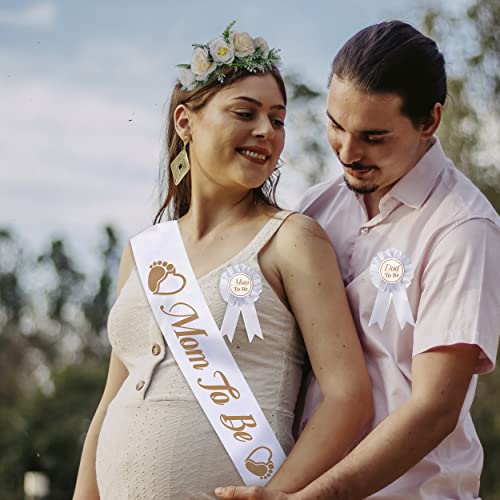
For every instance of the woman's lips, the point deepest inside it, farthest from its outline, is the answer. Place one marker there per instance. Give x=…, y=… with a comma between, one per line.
x=252, y=155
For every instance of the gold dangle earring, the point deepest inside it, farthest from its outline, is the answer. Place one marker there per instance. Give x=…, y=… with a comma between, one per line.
x=180, y=164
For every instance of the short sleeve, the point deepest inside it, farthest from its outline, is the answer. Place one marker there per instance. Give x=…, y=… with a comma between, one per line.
x=460, y=292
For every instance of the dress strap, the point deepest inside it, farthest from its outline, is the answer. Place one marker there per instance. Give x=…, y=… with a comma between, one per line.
x=268, y=231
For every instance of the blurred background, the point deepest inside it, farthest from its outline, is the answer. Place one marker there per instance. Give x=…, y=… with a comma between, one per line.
x=83, y=88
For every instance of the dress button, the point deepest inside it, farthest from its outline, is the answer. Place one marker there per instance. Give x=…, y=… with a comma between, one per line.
x=140, y=385
x=156, y=349
x=364, y=230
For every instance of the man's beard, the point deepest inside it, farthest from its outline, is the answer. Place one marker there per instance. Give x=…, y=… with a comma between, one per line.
x=363, y=189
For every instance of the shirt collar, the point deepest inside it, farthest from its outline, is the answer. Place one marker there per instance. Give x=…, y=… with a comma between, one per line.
x=415, y=186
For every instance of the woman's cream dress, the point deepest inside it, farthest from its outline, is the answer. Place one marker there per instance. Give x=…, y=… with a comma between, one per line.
x=156, y=442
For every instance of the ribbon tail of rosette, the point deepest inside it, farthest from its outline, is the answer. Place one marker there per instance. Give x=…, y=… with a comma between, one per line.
x=380, y=308
x=251, y=320
x=402, y=305
x=230, y=321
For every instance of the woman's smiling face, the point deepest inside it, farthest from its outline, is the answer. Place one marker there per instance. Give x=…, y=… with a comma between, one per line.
x=238, y=136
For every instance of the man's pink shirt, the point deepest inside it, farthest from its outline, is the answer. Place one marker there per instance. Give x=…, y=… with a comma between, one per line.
x=451, y=234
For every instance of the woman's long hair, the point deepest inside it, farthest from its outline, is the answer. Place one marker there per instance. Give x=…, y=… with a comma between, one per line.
x=177, y=199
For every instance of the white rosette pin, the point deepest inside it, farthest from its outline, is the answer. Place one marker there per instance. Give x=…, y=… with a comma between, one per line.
x=240, y=286
x=391, y=273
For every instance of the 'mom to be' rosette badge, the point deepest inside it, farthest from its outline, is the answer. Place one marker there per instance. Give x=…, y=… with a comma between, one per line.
x=240, y=286
x=391, y=273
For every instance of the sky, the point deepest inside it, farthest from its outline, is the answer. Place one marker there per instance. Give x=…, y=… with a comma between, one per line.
x=83, y=89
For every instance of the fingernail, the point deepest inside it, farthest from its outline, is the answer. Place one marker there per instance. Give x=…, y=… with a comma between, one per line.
x=219, y=491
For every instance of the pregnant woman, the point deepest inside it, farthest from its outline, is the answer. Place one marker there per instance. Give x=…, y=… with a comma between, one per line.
x=217, y=306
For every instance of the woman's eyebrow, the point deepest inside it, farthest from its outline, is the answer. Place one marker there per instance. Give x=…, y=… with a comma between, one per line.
x=258, y=103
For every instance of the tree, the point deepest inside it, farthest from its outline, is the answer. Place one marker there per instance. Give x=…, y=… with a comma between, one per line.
x=14, y=335
x=472, y=113
x=53, y=358
x=50, y=430
x=96, y=306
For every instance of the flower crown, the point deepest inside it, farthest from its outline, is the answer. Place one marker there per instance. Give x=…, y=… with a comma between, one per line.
x=233, y=49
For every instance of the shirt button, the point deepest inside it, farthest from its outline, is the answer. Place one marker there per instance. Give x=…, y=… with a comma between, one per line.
x=140, y=385
x=156, y=349
x=364, y=231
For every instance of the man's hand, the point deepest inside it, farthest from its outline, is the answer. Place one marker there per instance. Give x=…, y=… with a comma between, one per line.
x=252, y=493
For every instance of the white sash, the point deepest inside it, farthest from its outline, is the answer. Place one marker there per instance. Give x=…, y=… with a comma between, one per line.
x=205, y=360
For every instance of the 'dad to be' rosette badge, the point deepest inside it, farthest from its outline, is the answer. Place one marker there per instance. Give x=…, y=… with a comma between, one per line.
x=391, y=273
x=240, y=286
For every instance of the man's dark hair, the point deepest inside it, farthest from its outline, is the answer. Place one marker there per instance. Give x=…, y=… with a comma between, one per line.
x=394, y=57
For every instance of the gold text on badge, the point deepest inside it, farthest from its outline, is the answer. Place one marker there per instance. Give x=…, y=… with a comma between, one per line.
x=391, y=270
x=240, y=285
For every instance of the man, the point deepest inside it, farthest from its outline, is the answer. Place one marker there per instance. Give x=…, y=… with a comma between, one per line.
x=419, y=248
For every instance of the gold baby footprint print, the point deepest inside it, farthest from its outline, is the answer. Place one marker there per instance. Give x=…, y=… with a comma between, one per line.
x=259, y=462
x=164, y=280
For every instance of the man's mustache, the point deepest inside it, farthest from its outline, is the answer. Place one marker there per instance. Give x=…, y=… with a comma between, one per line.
x=357, y=166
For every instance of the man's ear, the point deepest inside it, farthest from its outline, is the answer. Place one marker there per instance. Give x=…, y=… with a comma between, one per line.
x=429, y=128
x=182, y=121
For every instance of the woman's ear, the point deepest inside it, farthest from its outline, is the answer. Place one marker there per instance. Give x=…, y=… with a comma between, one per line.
x=182, y=121
x=429, y=128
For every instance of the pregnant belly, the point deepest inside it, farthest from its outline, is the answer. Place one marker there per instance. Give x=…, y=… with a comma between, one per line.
x=160, y=450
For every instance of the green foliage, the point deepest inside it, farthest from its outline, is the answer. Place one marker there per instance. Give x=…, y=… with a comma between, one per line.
x=96, y=307
x=46, y=432
x=227, y=32
x=473, y=88
x=484, y=16
x=56, y=448
x=486, y=416
x=15, y=358
x=46, y=403
x=69, y=279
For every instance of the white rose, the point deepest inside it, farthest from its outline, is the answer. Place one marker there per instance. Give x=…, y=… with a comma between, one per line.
x=242, y=43
x=201, y=65
x=187, y=78
x=221, y=51
x=260, y=43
